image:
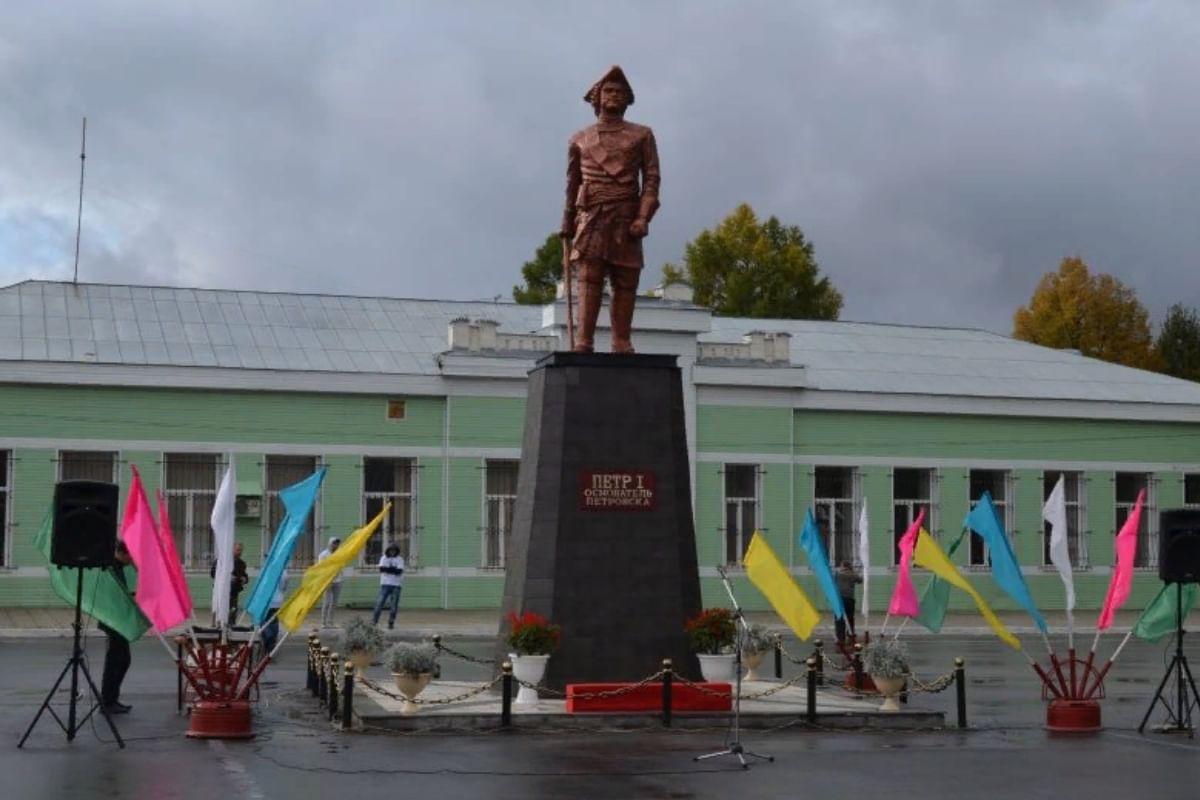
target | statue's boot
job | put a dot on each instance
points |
(621, 314)
(589, 310)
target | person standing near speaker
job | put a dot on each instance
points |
(116, 655)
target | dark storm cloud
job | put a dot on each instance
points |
(942, 156)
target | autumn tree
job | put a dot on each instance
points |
(542, 274)
(1178, 344)
(745, 268)
(1095, 314)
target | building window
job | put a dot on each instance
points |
(87, 465)
(741, 509)
(912, 490)
(1128, 485)
(282, 472)
(834, 507)
(1073, 499)
(5, 505)
(1191, 491)
(499, 500)
(998, 482)
(391, 480)
(190, 485)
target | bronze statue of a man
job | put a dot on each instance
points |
(612, 194)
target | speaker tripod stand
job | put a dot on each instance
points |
(735, 747)
(75, 664)
(1179, 716)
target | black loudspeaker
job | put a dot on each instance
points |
(85, 524)
(1179, 545)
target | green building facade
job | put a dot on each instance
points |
(422, 403)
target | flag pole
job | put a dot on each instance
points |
(1062, 681)
(900, 630)
(883, 628)
(1104, 670)
(1049, 684)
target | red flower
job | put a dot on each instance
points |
(532, 634)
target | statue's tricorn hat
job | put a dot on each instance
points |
(614, 73)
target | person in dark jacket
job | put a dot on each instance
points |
(847, 577)
(237, 580)
(117, 657)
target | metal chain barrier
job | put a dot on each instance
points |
(441, 701)
(594, 695)
(700, 688)
(437, 642)
(939, 684)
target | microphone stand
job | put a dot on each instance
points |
(735, 747)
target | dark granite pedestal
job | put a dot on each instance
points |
(603, 541)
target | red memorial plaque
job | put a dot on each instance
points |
(617, 490)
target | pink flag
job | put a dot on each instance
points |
(166, 538)
(1122, 576)
(904, 597)
(156, 594)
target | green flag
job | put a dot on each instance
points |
(103, 595)
(935, 598)
(1159, 617)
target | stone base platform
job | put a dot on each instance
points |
(374, 710)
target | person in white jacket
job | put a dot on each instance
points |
(329, 603)
(391, 577)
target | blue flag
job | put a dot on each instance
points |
(298, 500)
(810, 541)
(984, 520)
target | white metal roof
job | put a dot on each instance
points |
(67, 323)
(965, 362)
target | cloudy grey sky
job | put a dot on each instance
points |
(942, 156)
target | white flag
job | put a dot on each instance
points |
(864, 558)
(1055, 512)
(222, 527)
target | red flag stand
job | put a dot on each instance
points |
(219, 673)
(1074, 697)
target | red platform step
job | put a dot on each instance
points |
(647, 698)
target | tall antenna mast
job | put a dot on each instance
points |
(79, 216)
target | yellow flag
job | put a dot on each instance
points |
(318, 577)
(766, 571)
(927, 554)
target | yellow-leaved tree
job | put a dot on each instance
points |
(1095, 314)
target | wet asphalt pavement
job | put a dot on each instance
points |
(1007, 752)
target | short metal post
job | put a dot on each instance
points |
(811, 663)
(313, 644)
(858, 668)
(960, 689)
(334, 660)
(323, 670)
(778, 657)
(348, 696)
(668, 675)
(506, 695)
(819, 654)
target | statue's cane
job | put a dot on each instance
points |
(566, 248)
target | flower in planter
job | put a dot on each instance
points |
(712, 631)
(406, 658)
(758, 639)
(360, 635)
(532, 634)
(885, 658)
